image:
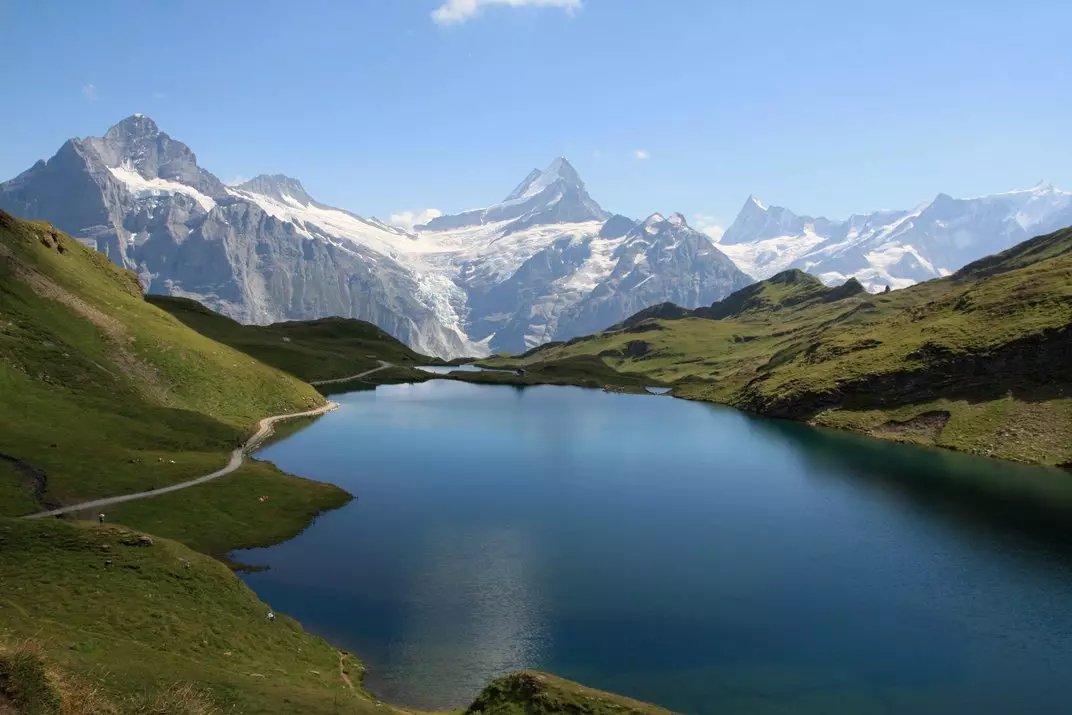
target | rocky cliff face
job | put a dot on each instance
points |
(546, 263)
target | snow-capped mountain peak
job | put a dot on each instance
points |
(136, 152)
(560, 171)
(678, 220)
(555, 195)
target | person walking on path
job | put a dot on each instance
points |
(100, 517)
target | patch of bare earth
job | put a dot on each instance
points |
(925, 426)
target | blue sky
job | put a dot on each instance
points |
(382, 106)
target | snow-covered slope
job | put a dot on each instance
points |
(893, 248)
(548, 263)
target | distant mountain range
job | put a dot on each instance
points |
(546, 263)
(893, 248)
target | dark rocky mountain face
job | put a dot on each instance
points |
(660, 260)
(546, 263)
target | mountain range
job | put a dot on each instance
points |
(547, 262)
(892, 248)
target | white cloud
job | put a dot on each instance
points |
(641, 155)
(408, 220)
(457, 11)
(237, 180)
(709, 225)
(89, 91)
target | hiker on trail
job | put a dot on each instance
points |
(100, 517)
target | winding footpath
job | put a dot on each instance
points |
(383, 366)
(264, 430)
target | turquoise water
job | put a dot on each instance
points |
(676, 552)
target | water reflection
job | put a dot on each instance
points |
(472, 613)
(447, 369)
(983, 494)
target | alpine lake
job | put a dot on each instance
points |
(676, 552)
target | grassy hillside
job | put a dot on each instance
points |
(105, 394)
(977, 361)
(137, 617)
(312, 350)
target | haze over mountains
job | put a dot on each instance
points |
(893, 248)
(546, 263)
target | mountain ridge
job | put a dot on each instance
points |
(503, 277)
(894, 248)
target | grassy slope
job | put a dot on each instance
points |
(312, 350)
(136, 620)
(105, 394)
(977, 361)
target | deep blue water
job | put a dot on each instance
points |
(676, 552)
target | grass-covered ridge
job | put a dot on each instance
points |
(105, 394)
(311, 350)
(978, 361)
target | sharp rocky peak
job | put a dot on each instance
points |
(134, 142)
(554, 195)
(277, 186)
(559, 171)
(752, 205)
(657, 222)
(137, 144)
(136, 126)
